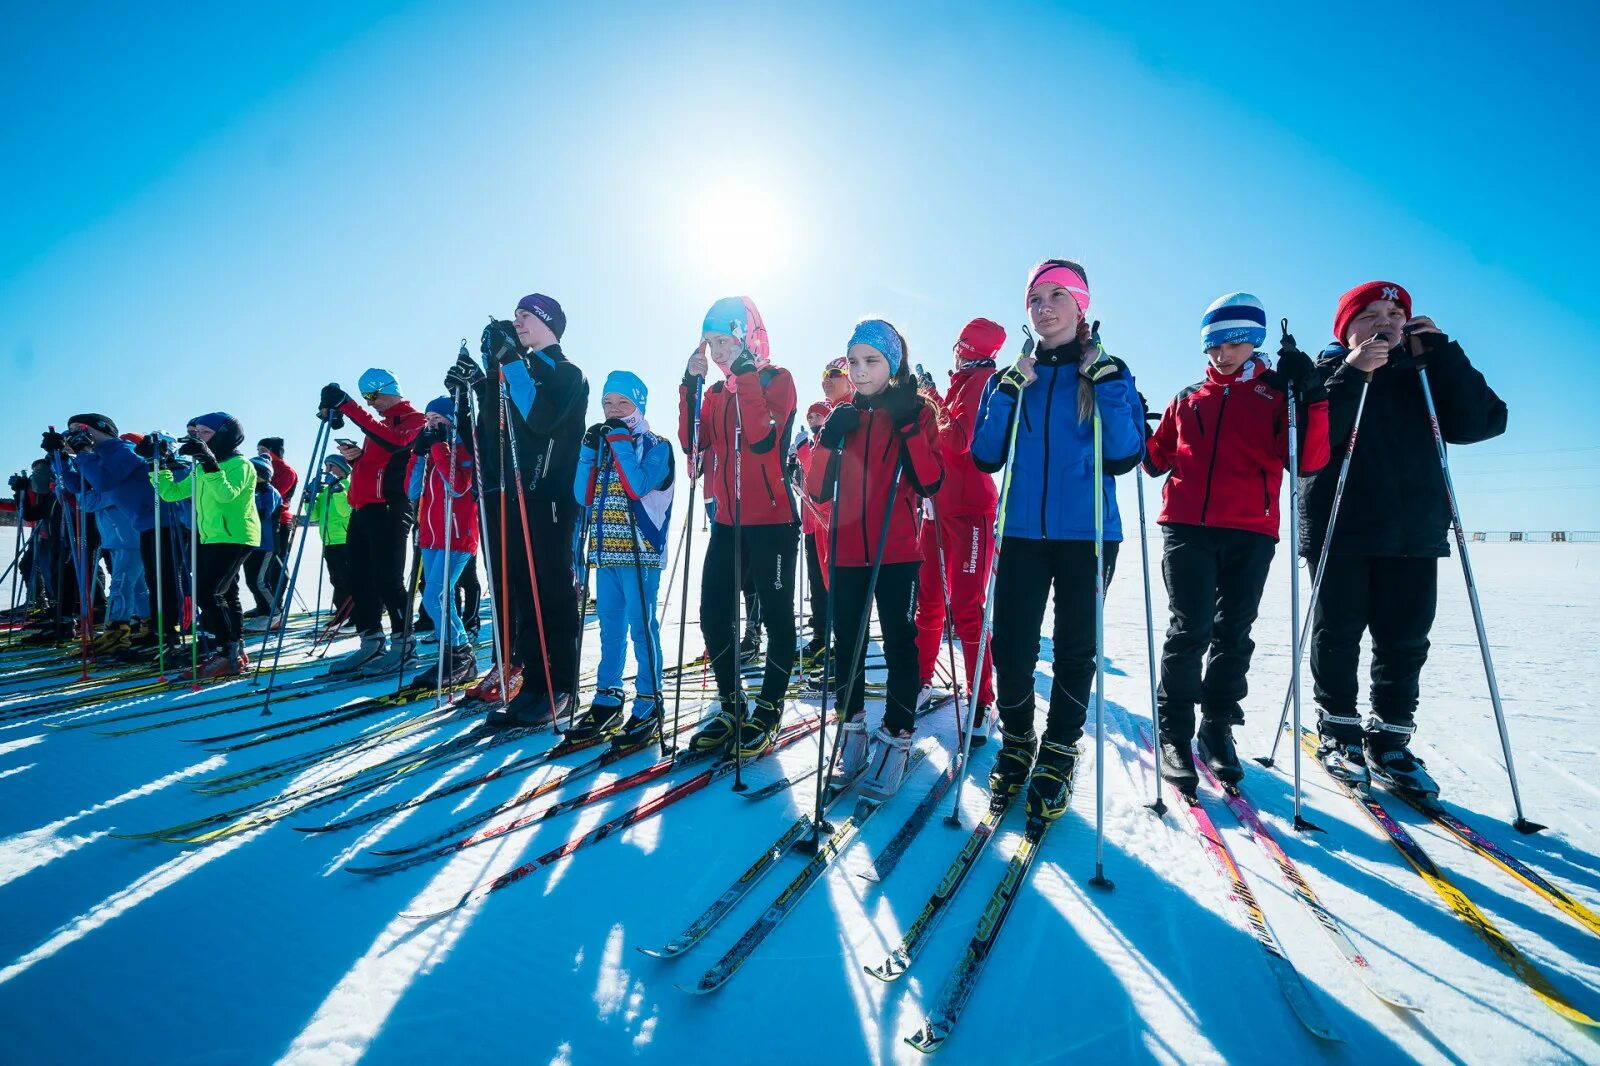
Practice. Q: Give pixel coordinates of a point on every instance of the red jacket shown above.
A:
(967, 491)
(1225, 442)
(865, 470)
(379, 475)
(284, 479)
(762, 401)
(814, 516)
(462, 502)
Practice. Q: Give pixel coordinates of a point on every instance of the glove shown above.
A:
(1012, 382)
(617, 425)
(429, 436)
(743, 364)
(1418, 348)
(464, 373)
(332, 396)
(500, 344)
(19, 484)
(925, 379)
(1151, 418)
(842, 421)
(200, 453)
(146, 448)
(904, 407)
(78, 440)
(1103, 368)
(52, 441)
(594, 435)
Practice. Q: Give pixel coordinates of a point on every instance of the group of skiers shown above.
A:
(890, 491)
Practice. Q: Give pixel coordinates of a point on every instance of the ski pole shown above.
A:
(954, 817)
(408, 617)
(1522, 824)
(1316, 580)
(509, 434)
(16, 561)
(1099, 880)
(949, 621)
(499, 625)
(829, 639)
(1300, 821)
(646, 616)
(278, 607)
(586, 543)
(692, 461)
(447, 590)
(194, 578)
(162, 563)
(1160, 805)
(72, 523)
(738, 602)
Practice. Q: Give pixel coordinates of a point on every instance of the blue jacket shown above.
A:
(112, 468)
(268, 500)
(116, 528)
(644, 471)
(1052, 484)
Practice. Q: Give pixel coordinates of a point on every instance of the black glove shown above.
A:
(1151, 418)
(200, 453)
(146, 448)
(51, 441)
(78, 440)
(1012, 383)
(925, 379)
(464, 373)
(842, 421)
(1297, 368)
(500, 344)
(429, 436)
(1418, 348)
(19, 484)
(332, 396)
(594, 435)
(742, 364)
(614, 424)
(904, 407)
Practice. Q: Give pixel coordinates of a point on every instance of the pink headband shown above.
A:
(1066, 277)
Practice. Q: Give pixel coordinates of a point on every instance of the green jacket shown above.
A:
(226, 510)
(331, 511)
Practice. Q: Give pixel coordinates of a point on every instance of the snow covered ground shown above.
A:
(260, 948)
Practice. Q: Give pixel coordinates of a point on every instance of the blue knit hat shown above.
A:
(444, 407)
(1235, 317)
(626, 384)
(877, 333)
(263, 467)
(377, 381)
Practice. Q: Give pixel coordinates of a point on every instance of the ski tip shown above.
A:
(667, 952)
(927, 1040)
(701, 989)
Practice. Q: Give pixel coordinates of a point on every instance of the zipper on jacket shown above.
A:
(1044, 493)
(1199, 418)
(866, 465)
(1216, 445)
(1266, 497)
(766, 483)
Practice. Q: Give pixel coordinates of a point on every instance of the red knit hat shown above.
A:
(980, 339)
(1352, 303)
(821, 407)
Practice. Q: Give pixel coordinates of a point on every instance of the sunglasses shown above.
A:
(833, 372)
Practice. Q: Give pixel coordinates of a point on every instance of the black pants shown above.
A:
(337, 559)
(549, 537)
(1214, 582)
(267, 574)
(1393, 599)
(818, 590)
(896, 599)
(218, 591)
(376, 548)
(160, 557)
(771, 555)
(752, 599)
(469, 595)
(1025, 574)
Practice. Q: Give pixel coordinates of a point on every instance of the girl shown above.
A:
(889, 426)
(1224, 444)
(744, 421)
(1050, 524)
(222, 487)
(964, 530)
(447, 536)
(814, 530)
(331, 513)
(260, 566)
(629, 496)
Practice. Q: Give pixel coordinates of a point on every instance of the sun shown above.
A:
(739, 232)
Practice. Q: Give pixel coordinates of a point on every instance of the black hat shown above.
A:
(93, 421)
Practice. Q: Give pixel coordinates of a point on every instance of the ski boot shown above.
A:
(530, 710)
(602, 717)
(760, 730)
(886, 766)
(852, 750)
(488, 689)
(981, 721)
(401, 656)
(811, 652)
(117, 635)
(1340, 750)
(927, 695)
(459, 667)
(1012, 764)
(230, 661)
(1050, 784)
(723, 726)
(1215, 739)
(1391, 763)
(643, 725)
(373, 645)
(750, 645)
(1175, 748)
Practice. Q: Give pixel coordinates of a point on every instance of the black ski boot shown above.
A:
(750, 645)
(724, 725)
(1175, 748)
(643, 725)
(1050, 784)
(811, 652)
(1391, 763)
(760, 729)
(981, 720)
(1340, 750)
(1012, 764)
(1215, 738)
(531, 710)
(603, 716)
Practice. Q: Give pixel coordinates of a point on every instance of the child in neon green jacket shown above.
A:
(223, 486)
(330, 511)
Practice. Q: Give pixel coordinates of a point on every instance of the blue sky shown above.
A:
(205, 210)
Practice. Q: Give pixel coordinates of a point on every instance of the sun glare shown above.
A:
(740, 231)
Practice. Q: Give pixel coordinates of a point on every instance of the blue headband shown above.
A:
(878, 334)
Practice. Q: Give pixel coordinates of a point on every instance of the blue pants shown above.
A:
(617, 604)
(436, 581)
(129, 599)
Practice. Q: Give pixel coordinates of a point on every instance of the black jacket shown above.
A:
(549, 398)
(1395, 502)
